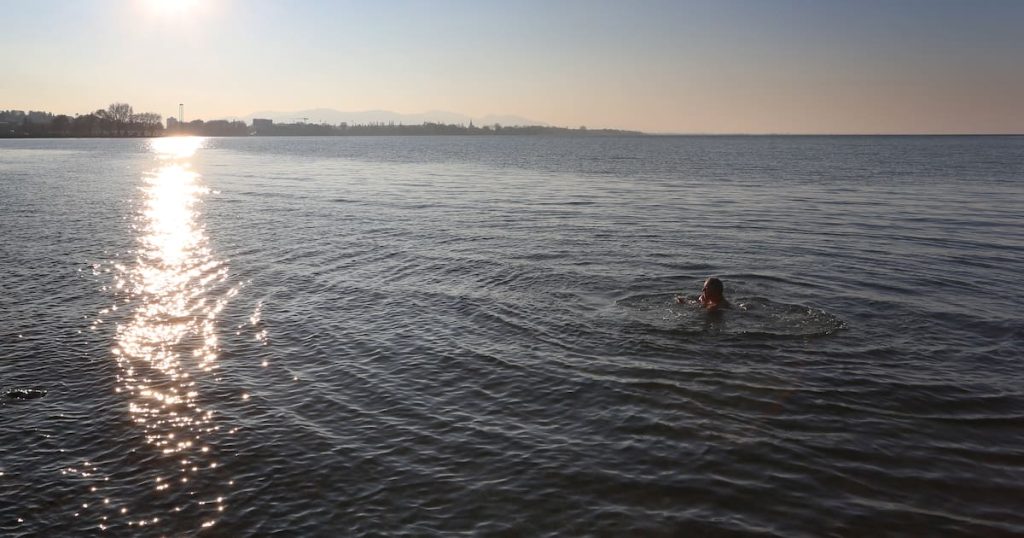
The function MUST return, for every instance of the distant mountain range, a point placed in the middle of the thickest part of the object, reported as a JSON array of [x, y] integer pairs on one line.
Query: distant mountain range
[[334, 117]]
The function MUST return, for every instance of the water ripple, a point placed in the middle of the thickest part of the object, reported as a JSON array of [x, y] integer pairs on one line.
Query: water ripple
[[426, 336]]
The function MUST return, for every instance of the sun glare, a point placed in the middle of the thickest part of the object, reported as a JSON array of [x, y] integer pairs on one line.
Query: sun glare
[[176, 147], [172, 6]]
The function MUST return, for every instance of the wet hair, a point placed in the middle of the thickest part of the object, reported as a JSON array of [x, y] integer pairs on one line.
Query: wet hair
[[715, 286]]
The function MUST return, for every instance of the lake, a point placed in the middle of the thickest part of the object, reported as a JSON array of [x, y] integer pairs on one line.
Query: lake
[[479, 335]]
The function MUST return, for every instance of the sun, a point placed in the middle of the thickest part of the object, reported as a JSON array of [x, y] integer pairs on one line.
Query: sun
[[172, 6]]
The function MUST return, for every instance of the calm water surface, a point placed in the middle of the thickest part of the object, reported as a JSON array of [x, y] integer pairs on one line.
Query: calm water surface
[[337, 336]]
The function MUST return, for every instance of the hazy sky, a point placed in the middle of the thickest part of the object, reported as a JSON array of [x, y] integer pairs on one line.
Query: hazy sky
[[755, 66]]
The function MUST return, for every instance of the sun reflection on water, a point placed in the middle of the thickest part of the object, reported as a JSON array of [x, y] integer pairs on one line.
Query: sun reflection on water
[[169, 343], [176, 147]]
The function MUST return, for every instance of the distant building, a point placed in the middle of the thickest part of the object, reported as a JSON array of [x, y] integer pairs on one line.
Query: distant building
[[263, 125], [172, 123]]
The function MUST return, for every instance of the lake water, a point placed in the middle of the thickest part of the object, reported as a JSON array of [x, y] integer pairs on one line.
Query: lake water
[[342, 336]]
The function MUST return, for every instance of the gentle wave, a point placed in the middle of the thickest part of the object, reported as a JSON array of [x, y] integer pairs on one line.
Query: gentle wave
[[458, 335]]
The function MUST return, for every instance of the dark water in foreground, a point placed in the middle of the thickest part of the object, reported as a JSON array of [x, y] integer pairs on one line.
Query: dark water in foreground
[[420, 335]]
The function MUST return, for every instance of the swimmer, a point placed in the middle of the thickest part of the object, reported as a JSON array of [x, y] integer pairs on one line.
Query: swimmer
[[712, 296]]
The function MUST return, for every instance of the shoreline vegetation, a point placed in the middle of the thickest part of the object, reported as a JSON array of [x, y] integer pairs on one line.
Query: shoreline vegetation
[[119, 120]]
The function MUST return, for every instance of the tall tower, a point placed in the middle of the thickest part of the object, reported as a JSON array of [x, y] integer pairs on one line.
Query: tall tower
[[181, 112]]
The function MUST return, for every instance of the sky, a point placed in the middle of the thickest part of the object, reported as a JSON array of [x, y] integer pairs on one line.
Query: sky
[[674, 66]]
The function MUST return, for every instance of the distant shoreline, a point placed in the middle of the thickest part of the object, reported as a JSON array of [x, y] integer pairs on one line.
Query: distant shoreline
[[570, 134], [119, 120], [388, 135], [215, 129]]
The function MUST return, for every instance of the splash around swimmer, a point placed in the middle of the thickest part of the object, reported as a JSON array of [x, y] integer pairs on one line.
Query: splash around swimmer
[[712, 295], [741, 315]]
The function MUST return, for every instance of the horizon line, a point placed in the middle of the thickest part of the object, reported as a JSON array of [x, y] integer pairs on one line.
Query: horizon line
[[832, 134], [545, 124]]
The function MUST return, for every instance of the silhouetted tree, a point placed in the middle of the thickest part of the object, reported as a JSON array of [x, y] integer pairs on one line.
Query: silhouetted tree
[[147, 123], [86, 125], [104, 125], [120, 115], [61, 125]]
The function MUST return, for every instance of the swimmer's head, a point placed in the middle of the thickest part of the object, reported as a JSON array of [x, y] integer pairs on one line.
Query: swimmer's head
[[713, 288]]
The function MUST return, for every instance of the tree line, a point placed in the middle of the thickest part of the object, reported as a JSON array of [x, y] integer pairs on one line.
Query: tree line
[[207, 128], [424, 129], [117, 120], [120, 120]]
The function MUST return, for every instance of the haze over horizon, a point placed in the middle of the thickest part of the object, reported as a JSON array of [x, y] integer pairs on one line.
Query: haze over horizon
[[695, 66]]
